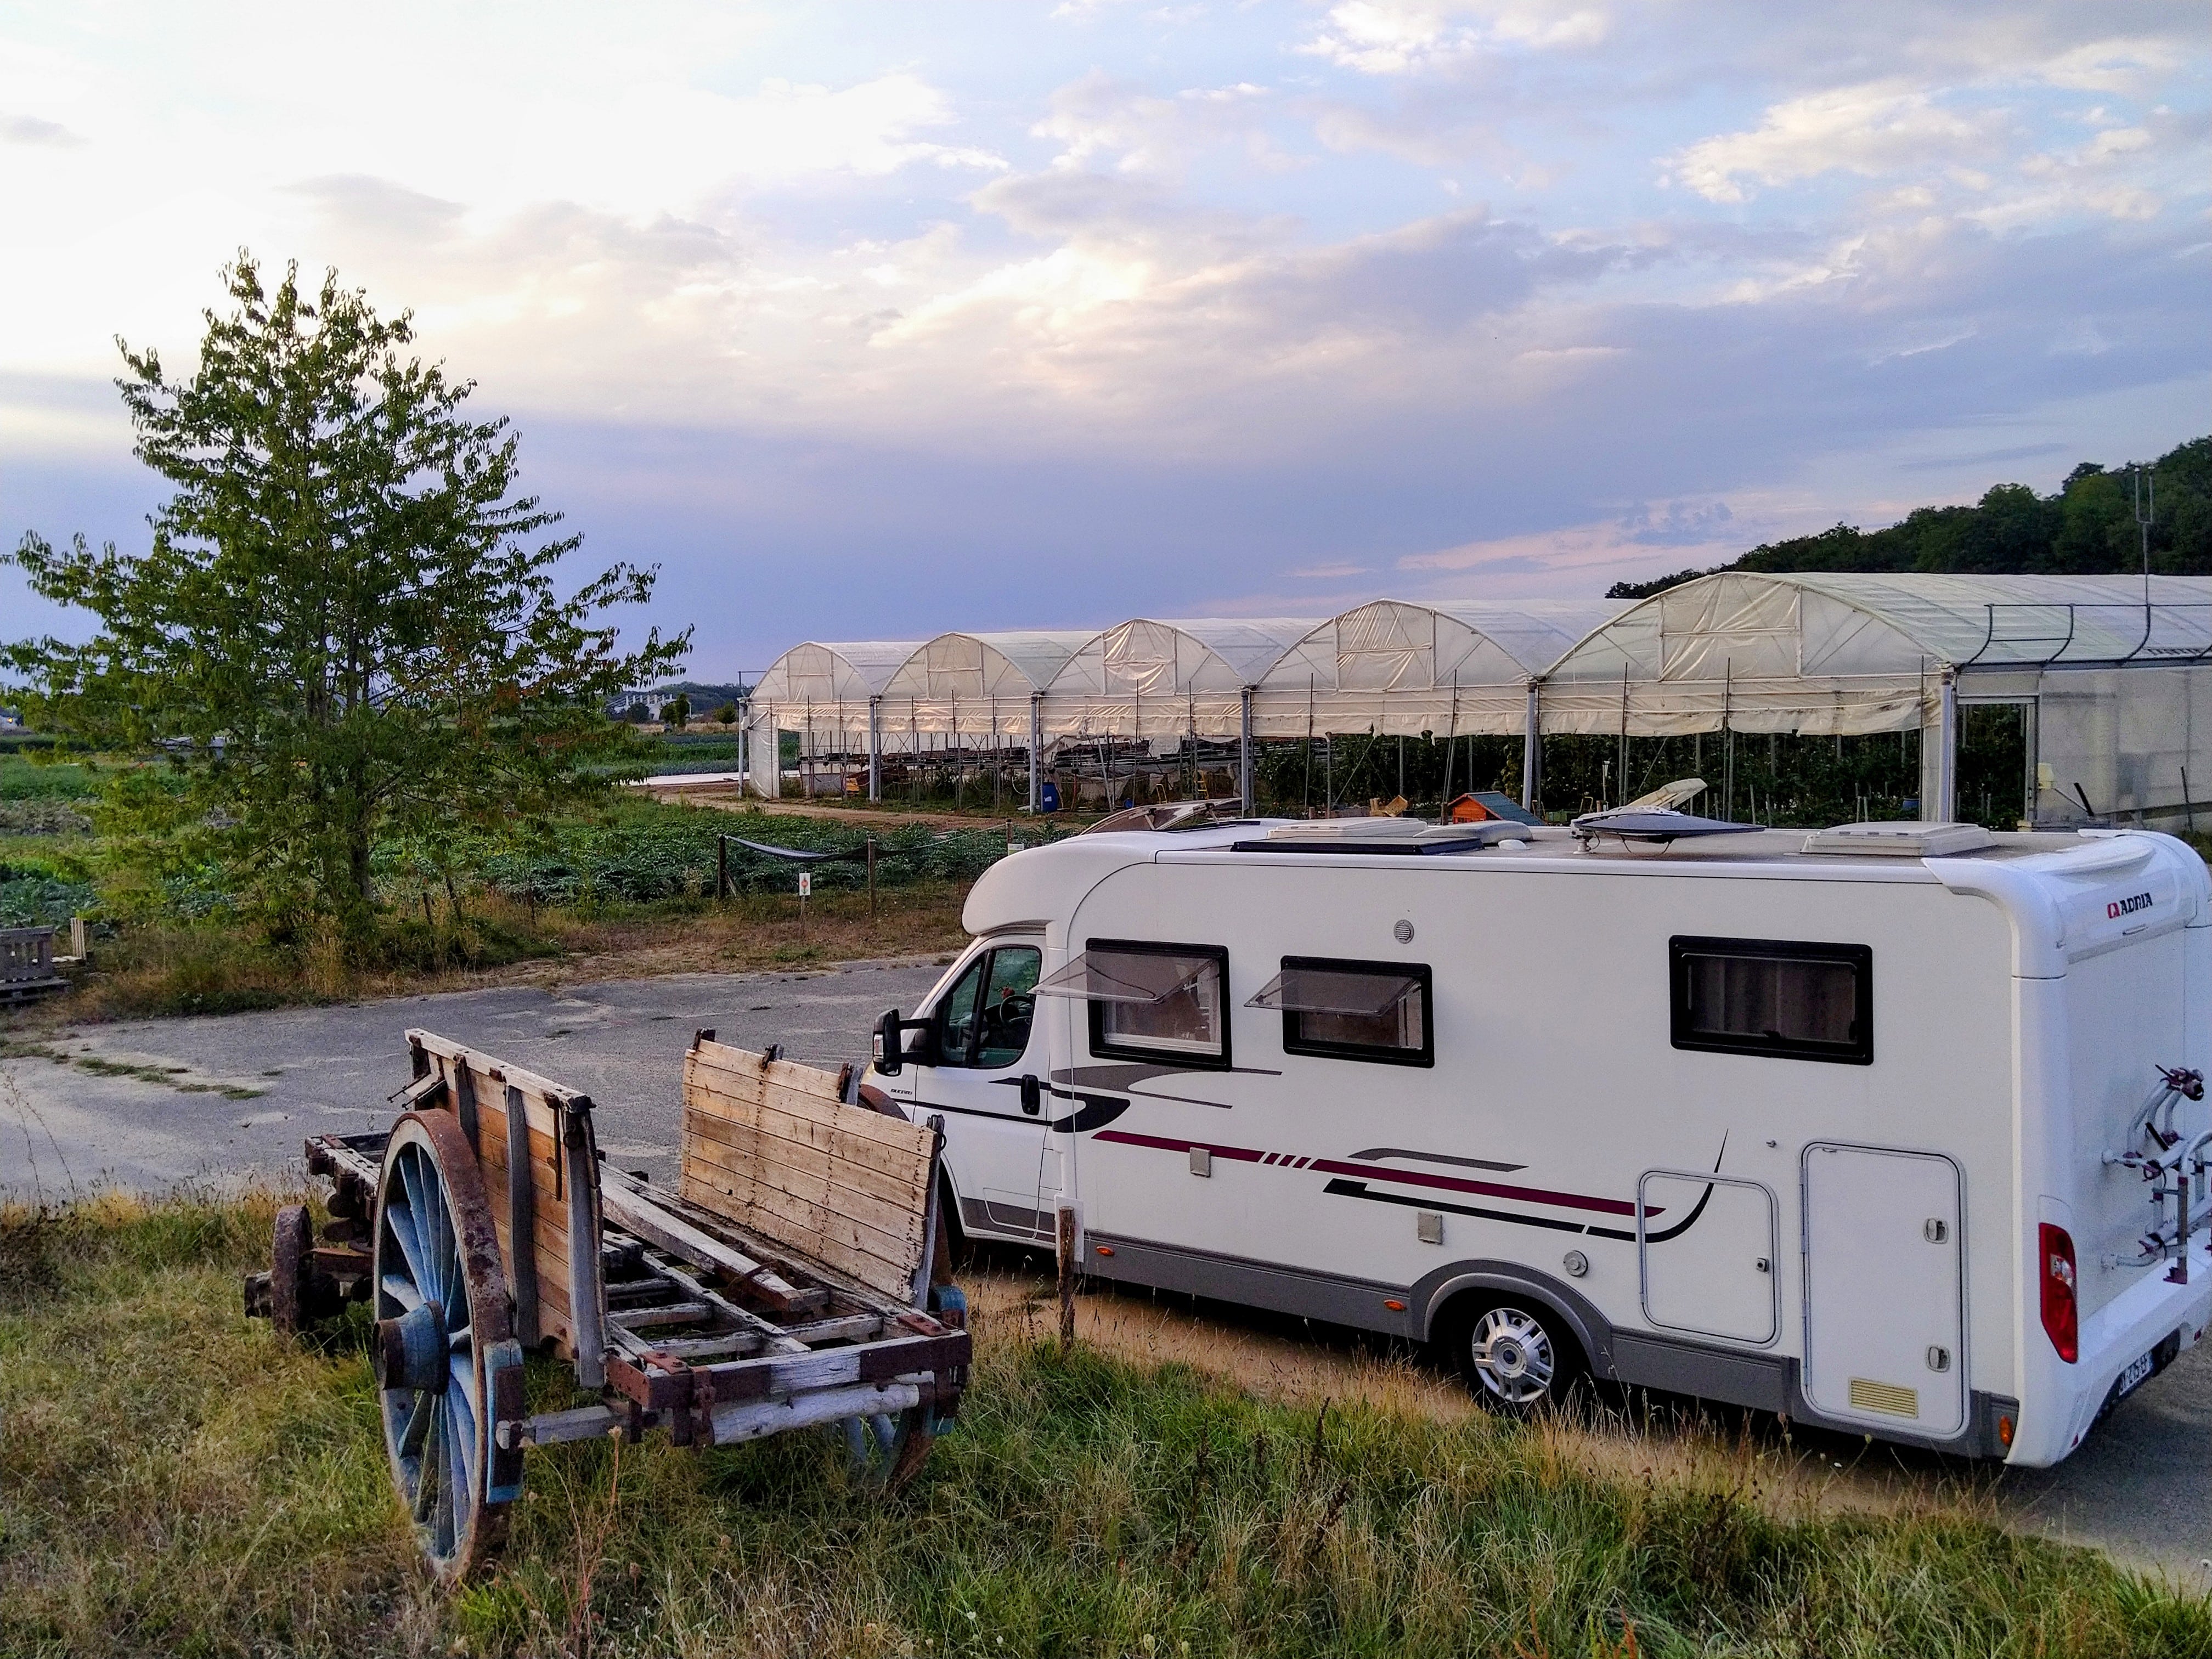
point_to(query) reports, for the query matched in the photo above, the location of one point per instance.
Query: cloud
(1872, 129)
(30, 130)
(1416, 37)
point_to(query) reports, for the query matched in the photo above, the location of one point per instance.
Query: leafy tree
(2087, 528)
(726, 714)
(676, 712)
(346, 628)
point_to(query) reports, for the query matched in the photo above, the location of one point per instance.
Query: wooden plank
(630, 1207)
(491, 1066)
(837, 1136)
(888, 1265)
(731, 1174)
(750, 1087)
(889, 1233)
(742, 1151)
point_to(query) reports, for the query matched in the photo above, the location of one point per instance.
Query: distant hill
(2088, 528)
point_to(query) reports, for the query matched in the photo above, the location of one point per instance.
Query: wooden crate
(768, 1147)
(26, 962)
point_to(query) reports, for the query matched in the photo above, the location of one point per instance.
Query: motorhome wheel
(1515, 1357)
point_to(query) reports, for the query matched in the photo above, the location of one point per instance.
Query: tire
(1517, 1357)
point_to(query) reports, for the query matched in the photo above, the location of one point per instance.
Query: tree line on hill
(2088, 527)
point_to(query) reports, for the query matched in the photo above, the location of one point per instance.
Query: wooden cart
(788, 1281)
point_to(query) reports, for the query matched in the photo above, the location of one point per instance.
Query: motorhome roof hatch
(1901, 839)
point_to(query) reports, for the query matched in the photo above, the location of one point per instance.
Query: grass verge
(204, 969)
(174, 1479)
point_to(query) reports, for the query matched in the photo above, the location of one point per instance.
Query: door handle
(1032, 1095)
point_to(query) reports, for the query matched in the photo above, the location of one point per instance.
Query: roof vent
(1901, 839)
(1336, 830)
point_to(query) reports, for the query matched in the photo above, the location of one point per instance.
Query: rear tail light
(2061, 1319)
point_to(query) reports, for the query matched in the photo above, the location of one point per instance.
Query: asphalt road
(151, 1104)
(144, 1106)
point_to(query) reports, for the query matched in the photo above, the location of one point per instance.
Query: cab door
(980, 1074)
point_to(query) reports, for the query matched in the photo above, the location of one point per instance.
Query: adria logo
(2127, 906)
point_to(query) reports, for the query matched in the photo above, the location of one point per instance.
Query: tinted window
(1370, 1010)
(956, 1015)
(1163, 1001)
(1009, 1005)
(1779, 997)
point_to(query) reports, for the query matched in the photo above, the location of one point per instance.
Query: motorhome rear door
(1884, 1289)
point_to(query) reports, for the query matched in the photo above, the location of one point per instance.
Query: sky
(873, 320)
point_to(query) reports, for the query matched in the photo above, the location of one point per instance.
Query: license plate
(2136, 1376)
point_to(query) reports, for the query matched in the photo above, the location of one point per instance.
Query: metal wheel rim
(1514, 1357)
(432, 1223)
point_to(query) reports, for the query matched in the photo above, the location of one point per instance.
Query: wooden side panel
(767, 1144)
(551, 1246)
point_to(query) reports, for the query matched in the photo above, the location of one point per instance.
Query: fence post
(871, 881)
(721, 868)
(1066, 1277)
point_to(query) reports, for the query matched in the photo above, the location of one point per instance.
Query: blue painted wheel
(447, 1366)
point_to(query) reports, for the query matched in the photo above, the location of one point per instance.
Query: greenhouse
(2109, 679)
(2099, 689)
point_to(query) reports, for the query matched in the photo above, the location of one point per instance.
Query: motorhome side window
(984, 1020)
(1778, 997)
(1365, 1011)
(1151, 1001)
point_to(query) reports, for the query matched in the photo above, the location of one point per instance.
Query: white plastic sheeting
(1455, 668)
(1156, 678)
(973, 684)
(1854, 653)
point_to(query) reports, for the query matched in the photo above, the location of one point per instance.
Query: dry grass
(174, 1479)
(159, 970)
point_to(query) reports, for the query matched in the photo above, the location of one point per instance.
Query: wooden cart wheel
(888, 1450)
(291, 1268)
(447, 1365)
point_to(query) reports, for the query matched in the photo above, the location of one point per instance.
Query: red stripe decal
(1374, 1172)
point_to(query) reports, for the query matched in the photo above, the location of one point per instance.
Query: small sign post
(806, 889)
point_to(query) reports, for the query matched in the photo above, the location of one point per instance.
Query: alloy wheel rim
(1513, 1356)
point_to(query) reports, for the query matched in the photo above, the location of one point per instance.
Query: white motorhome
(1893, 1128)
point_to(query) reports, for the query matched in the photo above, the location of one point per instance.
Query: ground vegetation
(175, 1478)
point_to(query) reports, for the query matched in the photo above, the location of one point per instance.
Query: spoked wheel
(447, 1365)
(1515, 1358)
(887, 1449)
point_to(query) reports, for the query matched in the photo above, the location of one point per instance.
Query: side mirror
(890, 1049)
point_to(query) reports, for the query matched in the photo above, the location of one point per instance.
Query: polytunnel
(959, 686)
(2112, 674)
(825, 693)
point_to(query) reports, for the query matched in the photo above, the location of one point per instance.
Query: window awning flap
(1124, 976)
(1335, 991)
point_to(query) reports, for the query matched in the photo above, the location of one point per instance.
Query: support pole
(1939, 802)
(1036, 742)
(1245, 805)
(1066, 1233)
(875, 749)
(1532, 748)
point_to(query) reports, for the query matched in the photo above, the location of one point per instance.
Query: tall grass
(176, 1480)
